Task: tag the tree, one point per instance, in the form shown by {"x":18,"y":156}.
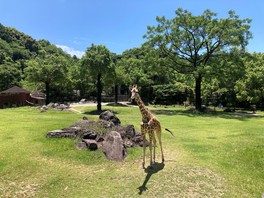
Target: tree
{"x":119,"y":75}
{"x":220,"y":78}
{"x":251,"y":88}
{"x":49,"y":70}
{"x":190,"y":41}
{"x":97,"y":61}
{"x":9,"y":76}
{"x":80,"y":79}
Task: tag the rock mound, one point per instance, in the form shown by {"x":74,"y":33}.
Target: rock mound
{"x":105,"y":134}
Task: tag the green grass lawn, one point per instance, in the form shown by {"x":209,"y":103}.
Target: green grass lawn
{"x":212,"y":155}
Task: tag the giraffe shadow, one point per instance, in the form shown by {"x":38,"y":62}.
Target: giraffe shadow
{"x":150,"y":170}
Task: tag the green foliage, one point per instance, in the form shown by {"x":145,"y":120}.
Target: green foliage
{"x":172,"y":94}
{"x":97,"y":62}
{"x":5,"y":50}
{"x":251,"y":87}
{"x":144,"y":65}
{"x":17,"y":50}
{"x":9,"y":76}
{"x":81,"y":80}
{"x":221,"y":75}
{"x":48,"y":71}
{"x":190,"y":41}
{"x":19,"y":40}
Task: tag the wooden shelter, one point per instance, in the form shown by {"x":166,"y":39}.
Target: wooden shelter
{"x":16,"y":96}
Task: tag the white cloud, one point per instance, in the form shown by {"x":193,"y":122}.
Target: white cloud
{"x":71,"y":51}
{"x":77,"y":42}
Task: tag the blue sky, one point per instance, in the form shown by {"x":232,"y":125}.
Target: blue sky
{"x":118,"y":24}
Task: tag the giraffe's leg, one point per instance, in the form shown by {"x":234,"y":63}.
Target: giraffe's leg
{"x":154,"y":147}
{"x":144,"y":151}
{"x":143,"y":133}
{"x":150,"y":132}
{"x":160,"y":143}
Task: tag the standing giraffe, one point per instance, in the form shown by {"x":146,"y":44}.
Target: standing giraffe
{"x":149,"y":124}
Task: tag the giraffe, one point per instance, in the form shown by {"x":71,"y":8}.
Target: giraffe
{"x":149,"y":124}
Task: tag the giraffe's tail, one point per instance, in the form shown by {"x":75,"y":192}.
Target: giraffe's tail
{"x":170,"y":132}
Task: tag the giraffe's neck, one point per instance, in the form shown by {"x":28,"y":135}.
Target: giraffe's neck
{"x":146,"y":115}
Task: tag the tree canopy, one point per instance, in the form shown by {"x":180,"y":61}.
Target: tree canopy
{"x":190,"y":41}
{"x":97,"y":62}
{"x":49,"y":70}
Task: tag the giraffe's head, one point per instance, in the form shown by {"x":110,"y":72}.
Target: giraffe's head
{"x":134,"y":91}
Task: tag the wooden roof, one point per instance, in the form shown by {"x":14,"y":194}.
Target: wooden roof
{"x":14,"y":90}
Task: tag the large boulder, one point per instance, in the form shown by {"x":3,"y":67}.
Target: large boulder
{"x":113,"y":147}
{"x":110,"y":117}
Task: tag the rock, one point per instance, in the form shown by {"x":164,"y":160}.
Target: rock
{"x":50,"y":105}
{"x":89,"y":135}
{"x":127,"y":133}
{"x":71,"y":132}
{"x":91,"y":144}
{"x":130,"y":131}
{"x":45,"y":107}
{"x":112,"y":139}
{"x":42,"y":109}
{"x":82,"y":123}
{"x":83,"y":100}
{"x":81,"y":145}
{"x":55,"y":133}
{"x":138,"y":140}
{"x":60,"y":106}
{"x":110,"y":117}
{"x":129,"y":143}
{"x":113,"y":147}
{"x":99,"y":139}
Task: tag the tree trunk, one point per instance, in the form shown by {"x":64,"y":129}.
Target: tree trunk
{"x":47,"y":93}
{"x":116,"y":94}
{"x":99,"y":92}
{"x":198,"y":100}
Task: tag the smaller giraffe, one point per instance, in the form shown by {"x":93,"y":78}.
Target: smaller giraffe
{"x":149,"y":124}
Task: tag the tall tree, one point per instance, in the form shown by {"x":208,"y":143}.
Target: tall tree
{"x":97,"y":61}
{"x":190,"y":41}
{"x":49,"y":70}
